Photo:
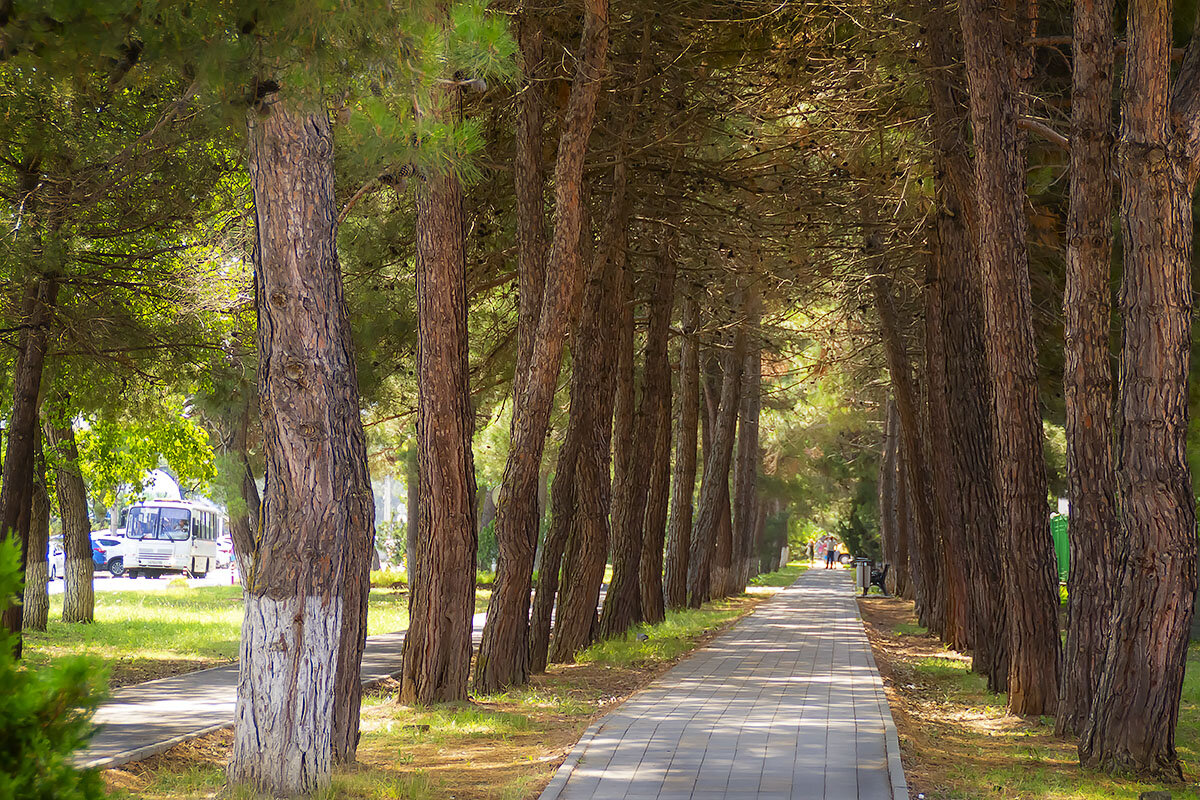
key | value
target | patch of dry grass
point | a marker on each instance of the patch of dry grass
(959, 743)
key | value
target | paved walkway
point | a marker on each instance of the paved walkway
(147, 718)
(787, 704)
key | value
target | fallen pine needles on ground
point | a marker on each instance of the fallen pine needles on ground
(959, 743)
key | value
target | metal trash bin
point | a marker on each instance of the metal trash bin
(862, 574)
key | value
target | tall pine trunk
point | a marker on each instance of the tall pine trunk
(654, 431)
(79, 597)
(302, 637)
(905, 566)
(947, 505)
(16, 482)
(622, 602)
(1087, 371)
(745, 474)
(714, 485)
(994, 36)
(37, 568)
(887, 493)
(683, 480)
(437, 647)
(967, 378)
(925, 541)
(592, 399)
(1136, 706)
(504, 652)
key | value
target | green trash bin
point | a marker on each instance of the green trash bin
(1062, 549)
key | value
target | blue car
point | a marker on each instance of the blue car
(99, 557)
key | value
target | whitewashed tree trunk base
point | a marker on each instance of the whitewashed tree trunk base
(284, 718)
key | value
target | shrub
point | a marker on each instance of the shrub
(45, 717)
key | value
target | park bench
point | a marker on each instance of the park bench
(879, 578)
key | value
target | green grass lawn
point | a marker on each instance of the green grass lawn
(141, 636)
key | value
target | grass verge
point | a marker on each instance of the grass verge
(959, 743)
(140, 636)
(496, 747)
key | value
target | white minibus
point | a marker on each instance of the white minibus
(172, 536)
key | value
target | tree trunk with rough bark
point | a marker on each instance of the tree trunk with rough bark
(37, 568)
(714, 485)
(305, 602)
(925, 542)
(16, 484)
(79, 597)
(622, 602)
(437, 647)
(994, 39)
(412, 529)
(683, 480)
(655, 426)
(1135, 710)
(1087, 371)
(504, 652)
(887, 494)
(967, 378)
(651, 568)
(592, 399)
(905, 580)
(947, 505)
(749, 455)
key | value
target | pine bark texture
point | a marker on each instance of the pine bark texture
(749, 456)
(1136, 706)
(683, 480)
(437, 647)
(588, 352)
(967, 378)
(993, 38)
(654, 432)
(714, 484)
(925, 541)
(305, 604)
(887, 495)
(37, 568)
(592, 399)
(622, 602)
(1087, 372)
(504, 651)
(79, 595)
(16, 488)
(529, 181)
(947, 505)
(905, 565)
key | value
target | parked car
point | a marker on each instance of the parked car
(224, 551)
(112, 549)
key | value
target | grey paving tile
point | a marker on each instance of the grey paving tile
(785, 706)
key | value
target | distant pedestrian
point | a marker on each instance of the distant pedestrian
(830, 555)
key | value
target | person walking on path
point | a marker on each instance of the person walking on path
(830, 554)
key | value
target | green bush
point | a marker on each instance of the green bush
(45, 716)
(388, 579)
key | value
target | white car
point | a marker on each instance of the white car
(114, 548)
(224, 551)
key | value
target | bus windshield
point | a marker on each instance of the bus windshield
(142, 523)
(176, 524)
(159, 523)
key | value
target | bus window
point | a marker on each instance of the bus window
(141, 523)
(175, 524)
(197, 530)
